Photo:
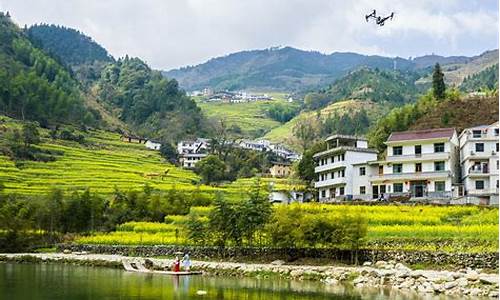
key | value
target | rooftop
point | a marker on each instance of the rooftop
(345, 137)
(343, 149)
(421, 134)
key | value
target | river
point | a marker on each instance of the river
(69, 282)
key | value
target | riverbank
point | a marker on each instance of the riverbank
(464, 283)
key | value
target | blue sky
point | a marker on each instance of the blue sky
(175, 33)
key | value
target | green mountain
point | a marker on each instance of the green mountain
(72, 48)
(484, 80)
(151, 104)
(379, 86)
(285, 69)
(34, 86)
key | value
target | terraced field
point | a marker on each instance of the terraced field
(105, 163)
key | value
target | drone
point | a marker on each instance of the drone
(378, 19)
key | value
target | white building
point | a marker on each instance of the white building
(153, 145)
(336, 168)
(479, 161)
(190, 152)
(421, 164)
(259, 145)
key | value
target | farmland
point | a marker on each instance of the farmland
(249, 117)
(105, 163)
(451, 229)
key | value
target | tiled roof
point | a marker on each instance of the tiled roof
(421, 134)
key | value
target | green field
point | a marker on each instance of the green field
(433, 228)
(104, 163)
(250, 117)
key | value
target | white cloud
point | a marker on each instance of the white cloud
(169, 33)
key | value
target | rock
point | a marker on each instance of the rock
(493, 294)
(488, 279)
(330, 280)
(416, 273)
(296, 273)
(67, 251)
(450, 285)
(360, 279)
(400, 266)
(380, 263)
(472, 276)
(278, 262)
(475, 292)
(402, 274)
(367, 263)
(462, 282)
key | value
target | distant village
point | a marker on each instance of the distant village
(231, 97)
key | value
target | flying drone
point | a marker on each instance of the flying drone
(378, 19)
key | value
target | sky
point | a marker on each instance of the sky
(174, 33)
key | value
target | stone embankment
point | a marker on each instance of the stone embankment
(465, 283)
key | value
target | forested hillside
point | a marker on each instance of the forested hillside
(285, 69)
(34, 86)
(389, 87)
(152, 104)
(482, 81)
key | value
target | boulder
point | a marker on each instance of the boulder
(472, 276)
(450, 285)
(400, 266)
(367, 263)
(278, 262)
(488, 278)
(380, 263)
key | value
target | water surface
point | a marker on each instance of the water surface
(67, 282)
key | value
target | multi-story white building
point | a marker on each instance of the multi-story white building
(336, 178)
(418, 164)
(479, 161)
(190, 152)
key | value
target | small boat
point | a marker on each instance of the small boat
(138, 267)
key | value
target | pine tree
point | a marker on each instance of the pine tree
(438, 85)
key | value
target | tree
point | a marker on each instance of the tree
(438, 85)
(211, 169)
(30, 134)
(168, 152)
(305, 167)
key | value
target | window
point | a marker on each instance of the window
(418, 167)
(397, 168)
(380, 170)
(479, 184)
(496, 131)
(341, 191)
(343, 157)
(497, 147)
(397, 150)
(439, 166)
(438, 147)
(439, 186)
(418, 149)
(362, 190)
(479, 147)
(497, 165)
(362, 171)
(476, 133)
(397, 187)
(343, 173)
(323, 194)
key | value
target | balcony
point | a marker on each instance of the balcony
(479, 170)
(411, 176)
(330, 166)
(418, 157)
(330, 182)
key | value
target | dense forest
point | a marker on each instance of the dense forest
(392, 87)
(152, 104)
(483, 81)
(34, 86)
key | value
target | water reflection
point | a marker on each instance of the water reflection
(58, 282)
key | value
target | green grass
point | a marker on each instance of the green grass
(250, 117)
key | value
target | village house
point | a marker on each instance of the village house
(479, 160)
(153, 145)
(280, 169)
(422, 164)
(191, 152)
(132, 139)
(335, 167)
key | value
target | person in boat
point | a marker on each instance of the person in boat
(186, 262)
(177, 265)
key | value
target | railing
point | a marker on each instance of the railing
(420, 156)
(411, 176)
(479, 169)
